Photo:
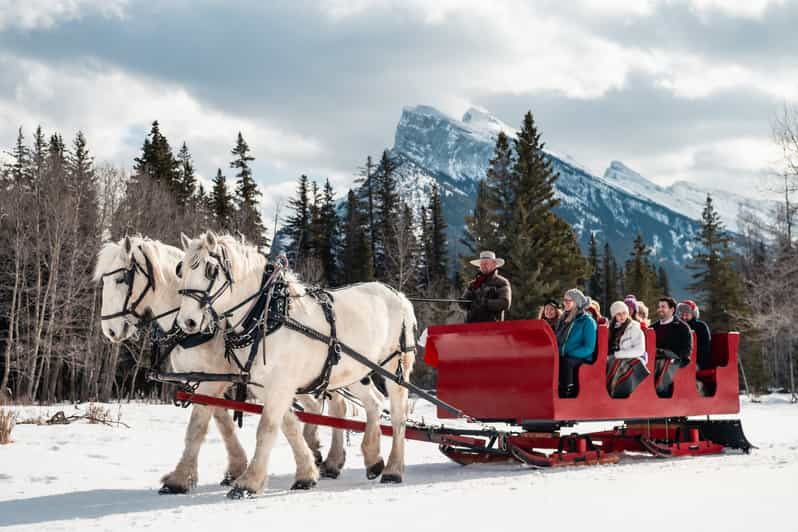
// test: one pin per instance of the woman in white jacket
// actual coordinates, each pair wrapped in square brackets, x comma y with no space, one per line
[626,364]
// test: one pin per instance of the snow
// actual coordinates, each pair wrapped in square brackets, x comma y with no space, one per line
[94,477]
[686,198]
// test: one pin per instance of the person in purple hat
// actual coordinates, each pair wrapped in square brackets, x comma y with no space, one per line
[631,302]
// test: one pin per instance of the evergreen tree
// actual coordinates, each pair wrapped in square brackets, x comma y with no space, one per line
[158,162]
[544,257]
[38,154]
[715,279]
[407,252]
[356,261]
[327,239]
[594,285]
[663,283]
[435,247]
[249,220]
[20,168]
[298,225]
[187,181]
[639,276]
[480,226]
[368,192]
[221,202]
[385,216]
[609,278]
[500,195]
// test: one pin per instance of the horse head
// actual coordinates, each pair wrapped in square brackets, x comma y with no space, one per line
[131,271]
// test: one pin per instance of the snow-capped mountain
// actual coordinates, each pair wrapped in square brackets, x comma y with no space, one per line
[432,147]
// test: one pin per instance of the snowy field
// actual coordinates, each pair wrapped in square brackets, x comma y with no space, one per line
[94,477]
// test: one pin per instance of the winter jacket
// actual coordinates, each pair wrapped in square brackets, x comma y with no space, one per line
[704,343]
[577,339]
[674,336]
[632,343]
[490,296]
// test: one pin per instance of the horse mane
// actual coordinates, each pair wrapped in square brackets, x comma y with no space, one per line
[113,251]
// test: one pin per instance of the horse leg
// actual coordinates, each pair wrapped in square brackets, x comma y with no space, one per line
[236,456]
[372,403]
[184,476]
[311,431]
[307,474]
[276,404]
[336,458]
[398,396]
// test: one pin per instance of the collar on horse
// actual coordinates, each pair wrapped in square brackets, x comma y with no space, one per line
[129,276]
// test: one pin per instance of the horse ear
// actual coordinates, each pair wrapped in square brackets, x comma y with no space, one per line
[211,241]
[184,241]
[127,246]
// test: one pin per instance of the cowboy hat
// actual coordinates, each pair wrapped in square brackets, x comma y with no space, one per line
[487,255]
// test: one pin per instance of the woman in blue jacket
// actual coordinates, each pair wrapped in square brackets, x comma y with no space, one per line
[576,339]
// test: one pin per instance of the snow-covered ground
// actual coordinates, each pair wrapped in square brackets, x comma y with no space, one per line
[94,477]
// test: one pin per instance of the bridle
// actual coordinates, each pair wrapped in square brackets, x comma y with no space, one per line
[128,279]
[206,298]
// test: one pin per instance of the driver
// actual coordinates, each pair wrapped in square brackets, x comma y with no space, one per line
[489,294]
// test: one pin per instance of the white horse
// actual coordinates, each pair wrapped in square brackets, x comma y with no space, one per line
[139,278]
[371,318]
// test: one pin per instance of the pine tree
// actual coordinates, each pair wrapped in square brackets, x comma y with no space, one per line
[186,181]
[594,285]
[385,215]
[544,256]
[435,247]
[248,218]
[328,238]
[20,168]
[38,154]
[663,283]
[609,278]
[157,161]
[639,276]
[715,279]
[406,252]
[298,225]
[356,261]
[500,195]
[367,191]
[221,202]
[480,226]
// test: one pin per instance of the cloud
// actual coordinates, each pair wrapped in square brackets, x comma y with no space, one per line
[315,87]
[43,14]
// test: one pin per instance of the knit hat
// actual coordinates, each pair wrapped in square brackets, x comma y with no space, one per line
[688,306]
[618,306]
[553,302]
[579,298]
[631,302]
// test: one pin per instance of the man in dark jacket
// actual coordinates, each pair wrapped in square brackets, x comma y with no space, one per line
[489,293]
[674,345]
[689,313]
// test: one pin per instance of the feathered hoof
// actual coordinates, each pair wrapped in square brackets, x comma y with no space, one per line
[238,493]
[303,484]
[392,478]
[318,457]
[328,471]
[373,471]
[227,480]
[166,489]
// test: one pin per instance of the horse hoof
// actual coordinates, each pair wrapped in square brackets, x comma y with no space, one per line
[318,457]
[304,484]
[238,493]
[391,479]
[227,480]
[329,471]
[375,470]
[172,490]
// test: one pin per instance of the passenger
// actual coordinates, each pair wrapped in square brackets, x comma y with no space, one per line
[674,345]
[642,315]
[489,294]
[631,302]
[576,339]
[626,364]
[550,313]
[594,309]
[688,311]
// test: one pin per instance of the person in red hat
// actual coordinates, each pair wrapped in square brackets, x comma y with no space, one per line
[688,311]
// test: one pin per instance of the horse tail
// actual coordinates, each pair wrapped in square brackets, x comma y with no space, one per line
[409,324]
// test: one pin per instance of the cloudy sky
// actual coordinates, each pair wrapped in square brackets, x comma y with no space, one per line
[678,90]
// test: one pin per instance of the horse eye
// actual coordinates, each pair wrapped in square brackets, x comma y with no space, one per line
[121,280]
